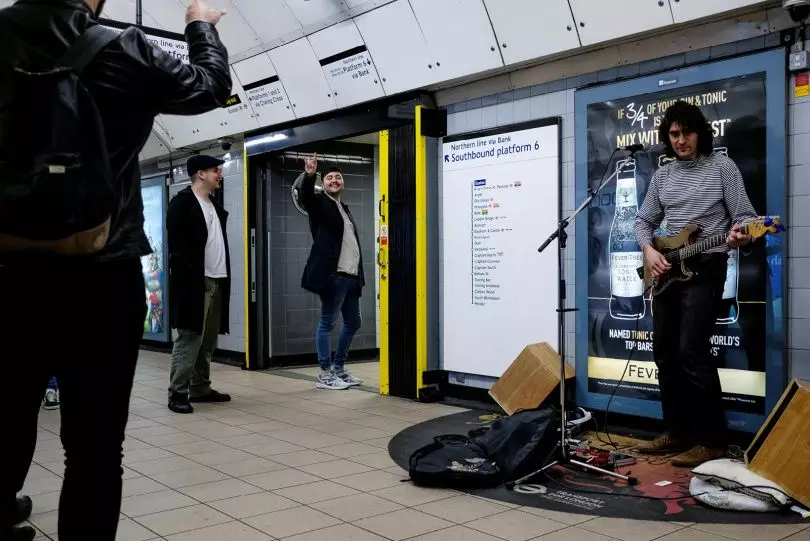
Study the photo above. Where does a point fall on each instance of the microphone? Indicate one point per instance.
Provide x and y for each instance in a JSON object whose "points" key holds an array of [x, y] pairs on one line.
{"points": [[632, 148]]}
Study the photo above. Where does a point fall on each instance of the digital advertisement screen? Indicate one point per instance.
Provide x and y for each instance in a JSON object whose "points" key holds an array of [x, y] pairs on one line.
{"points": [[500, 201], [154, 265], [619, 360]]}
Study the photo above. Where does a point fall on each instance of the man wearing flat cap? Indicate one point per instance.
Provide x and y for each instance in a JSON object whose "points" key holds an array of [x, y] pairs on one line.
{"points": [[199, 283]]}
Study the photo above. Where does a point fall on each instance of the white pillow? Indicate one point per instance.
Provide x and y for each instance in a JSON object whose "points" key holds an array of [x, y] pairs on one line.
{"points": [[732, 474], [715, 496]]}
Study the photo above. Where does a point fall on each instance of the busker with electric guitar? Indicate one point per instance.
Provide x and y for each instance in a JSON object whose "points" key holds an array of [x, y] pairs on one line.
{"points": [[702, 199]]}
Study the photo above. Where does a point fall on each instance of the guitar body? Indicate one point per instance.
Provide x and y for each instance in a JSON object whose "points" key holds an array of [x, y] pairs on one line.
{"points": [[684, 245], [679, 271]]}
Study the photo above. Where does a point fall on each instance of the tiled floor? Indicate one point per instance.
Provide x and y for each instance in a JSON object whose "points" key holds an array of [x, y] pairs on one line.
{"points": [[285, 461]]}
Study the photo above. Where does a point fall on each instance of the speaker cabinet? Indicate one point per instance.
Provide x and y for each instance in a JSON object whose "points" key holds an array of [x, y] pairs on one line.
{"points": [[529, 379], [780, 451]]}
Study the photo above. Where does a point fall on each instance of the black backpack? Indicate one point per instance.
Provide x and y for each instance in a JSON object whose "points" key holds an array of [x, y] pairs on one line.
{"points": [[522, 443], [453, 462], [56, 185]]}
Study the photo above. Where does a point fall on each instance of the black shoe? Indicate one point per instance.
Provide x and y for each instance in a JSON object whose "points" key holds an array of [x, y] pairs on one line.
{"points": [[179, 404], [22, 511], [17, 533], [212, 396]]}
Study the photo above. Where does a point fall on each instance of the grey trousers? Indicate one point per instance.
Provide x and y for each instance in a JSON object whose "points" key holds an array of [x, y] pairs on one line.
{"points": [[192, 352]]}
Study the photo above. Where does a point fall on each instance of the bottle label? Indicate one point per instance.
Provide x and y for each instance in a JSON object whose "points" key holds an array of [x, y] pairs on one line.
{"points": [[624, 279], [730, 288]]}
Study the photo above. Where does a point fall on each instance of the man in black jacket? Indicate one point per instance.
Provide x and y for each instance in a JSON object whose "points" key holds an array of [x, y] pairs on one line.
{"points": [[199, 283], [334, 271], [82, 320]]}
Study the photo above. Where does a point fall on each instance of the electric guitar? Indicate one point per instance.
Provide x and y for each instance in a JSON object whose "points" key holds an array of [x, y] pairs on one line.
{"points": [[677, 250]]}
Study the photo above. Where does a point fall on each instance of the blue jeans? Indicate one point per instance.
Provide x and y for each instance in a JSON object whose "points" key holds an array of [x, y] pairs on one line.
{"points": [[52, 384], [343, 297]]}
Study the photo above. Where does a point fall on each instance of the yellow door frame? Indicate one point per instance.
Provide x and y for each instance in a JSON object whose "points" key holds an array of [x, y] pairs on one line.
{"points": [[421, 251], [382, 261]]}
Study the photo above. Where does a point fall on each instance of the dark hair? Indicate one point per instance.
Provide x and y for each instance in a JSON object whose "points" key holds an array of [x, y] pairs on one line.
{"points": [[691, 120], [332, 170]]}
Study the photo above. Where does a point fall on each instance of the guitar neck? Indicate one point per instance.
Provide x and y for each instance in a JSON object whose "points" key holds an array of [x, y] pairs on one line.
{"points": [[701, 246]]}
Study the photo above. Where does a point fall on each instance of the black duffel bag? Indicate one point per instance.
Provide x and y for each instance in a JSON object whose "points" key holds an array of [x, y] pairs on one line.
{"points": [[453, 461], [522, 443]]}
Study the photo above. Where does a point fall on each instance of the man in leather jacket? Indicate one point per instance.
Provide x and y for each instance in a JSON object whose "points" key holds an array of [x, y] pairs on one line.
{"points": [[83, 321]]}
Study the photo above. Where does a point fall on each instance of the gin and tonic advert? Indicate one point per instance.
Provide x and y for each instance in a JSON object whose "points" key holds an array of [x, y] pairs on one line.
{"points": [[620, 312]]}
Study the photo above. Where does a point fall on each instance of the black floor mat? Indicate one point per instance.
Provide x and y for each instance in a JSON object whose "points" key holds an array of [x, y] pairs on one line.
{"points": [[575, 491]]}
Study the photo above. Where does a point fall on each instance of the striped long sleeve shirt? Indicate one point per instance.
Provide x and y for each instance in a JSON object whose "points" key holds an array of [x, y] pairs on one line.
{"points": [[708, 192]]}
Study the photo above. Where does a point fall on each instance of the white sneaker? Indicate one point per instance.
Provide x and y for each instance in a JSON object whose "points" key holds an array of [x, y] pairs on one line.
{"points": [[328, 380], [349, 379]]}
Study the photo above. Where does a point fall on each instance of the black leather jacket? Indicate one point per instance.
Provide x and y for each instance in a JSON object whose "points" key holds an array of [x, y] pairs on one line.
{"points": [[132, 81]]}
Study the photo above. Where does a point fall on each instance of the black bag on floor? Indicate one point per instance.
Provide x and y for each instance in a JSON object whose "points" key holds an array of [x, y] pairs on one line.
{"points": [[522, 443], [453, 462]]}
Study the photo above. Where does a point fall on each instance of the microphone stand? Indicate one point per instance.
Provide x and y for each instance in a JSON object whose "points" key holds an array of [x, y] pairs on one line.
{"points": [[562, 237]]}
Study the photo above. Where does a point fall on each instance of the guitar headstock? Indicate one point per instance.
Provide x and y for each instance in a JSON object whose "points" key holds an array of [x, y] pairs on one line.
{"points": [[764, 225]]}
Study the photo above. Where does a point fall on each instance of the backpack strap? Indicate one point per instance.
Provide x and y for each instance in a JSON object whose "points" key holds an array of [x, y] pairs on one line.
{"points": [[87, 47]]}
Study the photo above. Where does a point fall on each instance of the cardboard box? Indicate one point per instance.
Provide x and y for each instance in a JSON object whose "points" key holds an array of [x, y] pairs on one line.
{"points": [[531, 377]]}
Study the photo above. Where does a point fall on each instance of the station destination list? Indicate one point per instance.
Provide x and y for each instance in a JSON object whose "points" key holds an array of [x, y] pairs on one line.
{"points": [[490, 223]]}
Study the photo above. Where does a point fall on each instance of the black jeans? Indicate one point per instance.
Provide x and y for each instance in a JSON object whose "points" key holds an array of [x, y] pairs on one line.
{"points": [[684, 320], [82, 325]]}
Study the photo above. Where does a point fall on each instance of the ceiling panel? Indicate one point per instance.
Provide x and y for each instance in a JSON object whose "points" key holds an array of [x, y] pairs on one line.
{"points": [[235, 118], [397, 46], [688, 10], [258, 13], [313, 11], [347, 64], [301, 73], [266, 95], [120, 10], [599, 21], [153, 148], [459, 36], [528, 29], [170, 14], [336, 39], [234, 30]]}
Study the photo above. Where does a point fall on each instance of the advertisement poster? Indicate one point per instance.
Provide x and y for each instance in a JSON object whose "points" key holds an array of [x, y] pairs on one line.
{"points": [[154, 264], [619, 312], [500, 198]]}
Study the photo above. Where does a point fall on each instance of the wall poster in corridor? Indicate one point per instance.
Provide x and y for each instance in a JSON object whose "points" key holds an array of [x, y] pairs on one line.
{"points": [[615, 312], [153, 192]]}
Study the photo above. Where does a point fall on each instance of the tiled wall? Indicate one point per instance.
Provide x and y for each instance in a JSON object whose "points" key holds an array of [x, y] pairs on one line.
{"points": [[294, 311], [557, 99], [798, 263]]}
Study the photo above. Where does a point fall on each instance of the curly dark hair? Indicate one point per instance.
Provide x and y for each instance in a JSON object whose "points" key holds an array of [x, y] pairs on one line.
{"points": [[691, 120]]}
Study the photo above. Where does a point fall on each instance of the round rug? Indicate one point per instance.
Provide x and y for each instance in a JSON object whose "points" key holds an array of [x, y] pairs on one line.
{"points": [[572, 490]]}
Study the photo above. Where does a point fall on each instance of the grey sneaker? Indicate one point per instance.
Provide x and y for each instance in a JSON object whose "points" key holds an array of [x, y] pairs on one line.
{"points": [[328, 380], [349, 379], [51, 401]]}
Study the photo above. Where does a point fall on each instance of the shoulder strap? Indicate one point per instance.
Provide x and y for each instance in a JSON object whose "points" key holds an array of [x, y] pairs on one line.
{"points": [[87, 47]]}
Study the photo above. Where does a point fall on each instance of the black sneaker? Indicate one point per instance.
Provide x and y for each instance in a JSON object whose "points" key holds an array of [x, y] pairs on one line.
{"points": [[212, 396], [22, 510], [17, 533], [179, 404]]}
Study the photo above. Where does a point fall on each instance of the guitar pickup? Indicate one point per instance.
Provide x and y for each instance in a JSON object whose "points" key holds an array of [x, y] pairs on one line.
{"points": [[640, 271]]}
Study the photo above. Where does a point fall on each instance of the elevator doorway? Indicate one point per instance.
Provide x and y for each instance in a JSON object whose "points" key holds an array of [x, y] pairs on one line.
{"points": [[294, 312], [384, 150]]}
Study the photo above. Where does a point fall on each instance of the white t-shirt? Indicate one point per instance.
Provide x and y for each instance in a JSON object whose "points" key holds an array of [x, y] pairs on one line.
{"points": [[215, 262]]}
